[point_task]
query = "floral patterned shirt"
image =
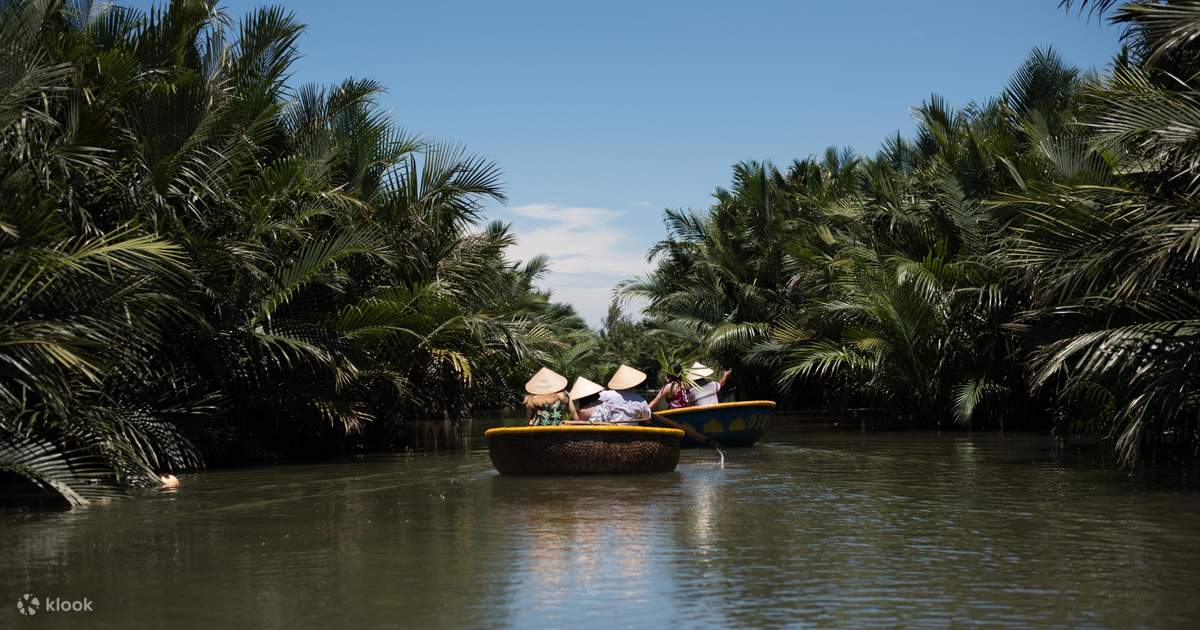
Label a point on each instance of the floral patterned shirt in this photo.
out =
(549, 416)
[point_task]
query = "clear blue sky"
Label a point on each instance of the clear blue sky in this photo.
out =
(603, 113)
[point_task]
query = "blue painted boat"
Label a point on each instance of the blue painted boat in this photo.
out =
(731, 424)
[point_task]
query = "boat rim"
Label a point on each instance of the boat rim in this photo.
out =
(584, 428)
(729, 405)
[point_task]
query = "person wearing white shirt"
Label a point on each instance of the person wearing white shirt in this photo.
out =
(705, 392)
(620, 404)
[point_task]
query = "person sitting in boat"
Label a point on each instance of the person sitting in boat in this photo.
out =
(675, 391)
(620, 404)
(585, 396)
(547, 403)
(705, 390)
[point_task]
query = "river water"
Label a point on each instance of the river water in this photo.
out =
(814, 526)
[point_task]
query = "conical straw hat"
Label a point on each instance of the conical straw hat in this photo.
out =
(546, 381)
(698, 370)
(584, 388)
(626, 378)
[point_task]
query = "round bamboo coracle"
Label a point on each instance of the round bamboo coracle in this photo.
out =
(583, 450)
(730, 424)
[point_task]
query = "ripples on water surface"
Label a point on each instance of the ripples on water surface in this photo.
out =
(810, 527)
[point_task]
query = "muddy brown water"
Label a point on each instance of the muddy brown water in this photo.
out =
(814, 526)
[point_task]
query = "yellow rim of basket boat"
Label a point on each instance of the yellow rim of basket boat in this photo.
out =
(583, 428)
(728, 405)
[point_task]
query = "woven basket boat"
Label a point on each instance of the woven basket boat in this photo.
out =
(731, 424)
(583, 450)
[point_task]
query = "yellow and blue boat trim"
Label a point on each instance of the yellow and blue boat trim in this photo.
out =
(731, 424)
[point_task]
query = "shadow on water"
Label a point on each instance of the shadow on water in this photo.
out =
(439, 435)
(447, 435)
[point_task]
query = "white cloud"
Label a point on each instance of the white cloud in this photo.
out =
(589, 252)
(573, 217)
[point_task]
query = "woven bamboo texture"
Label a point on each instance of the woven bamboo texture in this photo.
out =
(583, 450)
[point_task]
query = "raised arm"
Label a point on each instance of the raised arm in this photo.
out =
(725, 378)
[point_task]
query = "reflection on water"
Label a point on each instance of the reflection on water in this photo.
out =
(811, 526)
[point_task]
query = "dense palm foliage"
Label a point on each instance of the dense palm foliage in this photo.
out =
(1030, 258)
(198, 260)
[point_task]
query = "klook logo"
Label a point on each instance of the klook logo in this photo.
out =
(29, 605)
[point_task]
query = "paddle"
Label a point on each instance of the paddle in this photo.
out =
(688, 431)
